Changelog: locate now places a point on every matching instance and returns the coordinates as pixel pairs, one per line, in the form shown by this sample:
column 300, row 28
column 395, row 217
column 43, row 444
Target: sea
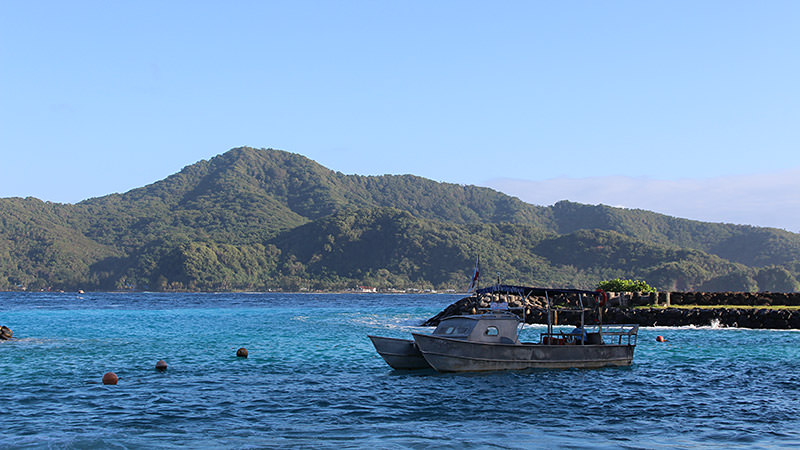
column 313, row 379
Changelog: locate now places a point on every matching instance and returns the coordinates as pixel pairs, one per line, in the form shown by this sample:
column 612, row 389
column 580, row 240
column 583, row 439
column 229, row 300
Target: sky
column 689, row 108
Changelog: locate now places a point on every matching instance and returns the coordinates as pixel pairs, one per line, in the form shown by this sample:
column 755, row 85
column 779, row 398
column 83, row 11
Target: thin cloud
column 766, row 200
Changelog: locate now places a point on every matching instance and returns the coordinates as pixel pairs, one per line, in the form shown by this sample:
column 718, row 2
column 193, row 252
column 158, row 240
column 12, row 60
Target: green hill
column 265, row 219
column 39, row 247
column 739, row 243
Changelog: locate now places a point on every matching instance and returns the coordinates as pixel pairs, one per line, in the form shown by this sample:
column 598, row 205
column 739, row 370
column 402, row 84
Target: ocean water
column 314, row 380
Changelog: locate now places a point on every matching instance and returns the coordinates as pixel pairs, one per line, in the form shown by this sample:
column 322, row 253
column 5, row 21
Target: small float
column 489, row 339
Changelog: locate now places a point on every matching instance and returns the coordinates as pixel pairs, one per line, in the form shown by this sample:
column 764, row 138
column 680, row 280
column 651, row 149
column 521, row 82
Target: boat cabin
column 495, row 328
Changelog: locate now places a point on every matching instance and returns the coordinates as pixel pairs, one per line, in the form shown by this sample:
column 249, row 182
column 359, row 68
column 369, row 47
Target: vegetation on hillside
column 266, row 219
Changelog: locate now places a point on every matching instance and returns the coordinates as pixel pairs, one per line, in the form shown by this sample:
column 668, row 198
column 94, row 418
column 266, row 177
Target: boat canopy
column 569, row 301
column 525, row 291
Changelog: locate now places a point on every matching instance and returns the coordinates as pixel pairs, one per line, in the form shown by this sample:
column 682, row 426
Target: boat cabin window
column 454, row 330
column 492, row 331
column 460, row 328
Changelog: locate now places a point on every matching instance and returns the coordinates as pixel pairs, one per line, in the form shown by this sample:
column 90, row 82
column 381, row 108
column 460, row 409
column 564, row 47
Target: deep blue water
column 313, row 379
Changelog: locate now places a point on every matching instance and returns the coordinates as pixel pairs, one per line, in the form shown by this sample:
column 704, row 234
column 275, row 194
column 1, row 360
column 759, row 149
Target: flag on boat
column 474, row 283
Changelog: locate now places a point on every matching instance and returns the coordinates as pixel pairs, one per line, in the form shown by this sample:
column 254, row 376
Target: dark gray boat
column 489, row 340
column 401, row 354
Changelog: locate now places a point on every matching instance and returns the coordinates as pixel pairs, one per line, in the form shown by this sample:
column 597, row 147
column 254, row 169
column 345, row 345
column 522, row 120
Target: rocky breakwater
column 740, row 310
column 726, row 298
column 779, row 319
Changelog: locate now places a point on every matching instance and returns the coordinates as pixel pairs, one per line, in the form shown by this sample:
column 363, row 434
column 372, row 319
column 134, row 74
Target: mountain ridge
column 267, row 208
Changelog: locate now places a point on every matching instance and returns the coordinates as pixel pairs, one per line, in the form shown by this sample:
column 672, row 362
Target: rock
column 161, row 365
column 794, row 320
column 5, row 333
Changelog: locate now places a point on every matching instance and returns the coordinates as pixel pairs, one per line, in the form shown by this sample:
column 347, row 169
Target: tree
column 776, row 279
column 620, row 285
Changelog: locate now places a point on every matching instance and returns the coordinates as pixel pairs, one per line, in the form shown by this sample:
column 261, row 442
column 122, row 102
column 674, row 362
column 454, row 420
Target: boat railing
column 618, row 334
column 500, row 308
column 594, row 335
column 505, row 308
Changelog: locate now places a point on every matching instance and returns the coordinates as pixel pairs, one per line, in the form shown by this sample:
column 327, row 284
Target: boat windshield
column 455, row 327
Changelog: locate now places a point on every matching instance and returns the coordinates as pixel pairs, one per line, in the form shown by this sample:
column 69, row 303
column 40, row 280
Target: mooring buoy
column 110, row 378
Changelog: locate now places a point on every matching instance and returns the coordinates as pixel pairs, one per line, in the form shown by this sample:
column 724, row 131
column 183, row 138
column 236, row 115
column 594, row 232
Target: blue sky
column 688, row 107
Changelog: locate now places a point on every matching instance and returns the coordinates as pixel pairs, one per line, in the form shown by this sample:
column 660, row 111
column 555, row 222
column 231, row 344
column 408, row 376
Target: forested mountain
column 267, row 219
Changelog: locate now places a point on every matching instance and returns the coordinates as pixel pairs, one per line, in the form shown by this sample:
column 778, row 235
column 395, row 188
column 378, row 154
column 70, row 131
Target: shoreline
column 343, row 291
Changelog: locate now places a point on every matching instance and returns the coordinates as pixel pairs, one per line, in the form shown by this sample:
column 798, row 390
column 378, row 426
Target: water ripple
column 313, row 380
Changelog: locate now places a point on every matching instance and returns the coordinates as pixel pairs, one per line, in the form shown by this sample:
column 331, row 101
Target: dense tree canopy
column 267, row 219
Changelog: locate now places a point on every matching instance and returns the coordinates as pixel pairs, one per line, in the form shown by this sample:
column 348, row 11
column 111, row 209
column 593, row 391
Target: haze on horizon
column 685, row 108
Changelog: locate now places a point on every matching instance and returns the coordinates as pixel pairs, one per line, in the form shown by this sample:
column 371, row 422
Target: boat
column 400, row 354
column 489, row 339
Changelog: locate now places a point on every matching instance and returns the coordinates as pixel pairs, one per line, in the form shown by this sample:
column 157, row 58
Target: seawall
column 659, row 310
column 711, row 298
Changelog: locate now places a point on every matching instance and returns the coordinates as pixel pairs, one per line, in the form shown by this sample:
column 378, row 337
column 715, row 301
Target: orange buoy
column 161, row 365
column 110, row 378
column 660, row 339
column 241, row 353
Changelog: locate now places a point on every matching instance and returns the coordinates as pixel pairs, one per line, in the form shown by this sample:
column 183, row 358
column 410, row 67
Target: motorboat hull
column 454, row 355
column 400, row 354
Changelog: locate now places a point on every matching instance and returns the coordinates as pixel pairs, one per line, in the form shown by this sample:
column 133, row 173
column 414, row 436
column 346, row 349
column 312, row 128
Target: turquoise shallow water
column 313, row 379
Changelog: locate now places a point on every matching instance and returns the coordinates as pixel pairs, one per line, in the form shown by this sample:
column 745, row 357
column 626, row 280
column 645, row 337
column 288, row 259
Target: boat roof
column 494, row 315
column 527, row 290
